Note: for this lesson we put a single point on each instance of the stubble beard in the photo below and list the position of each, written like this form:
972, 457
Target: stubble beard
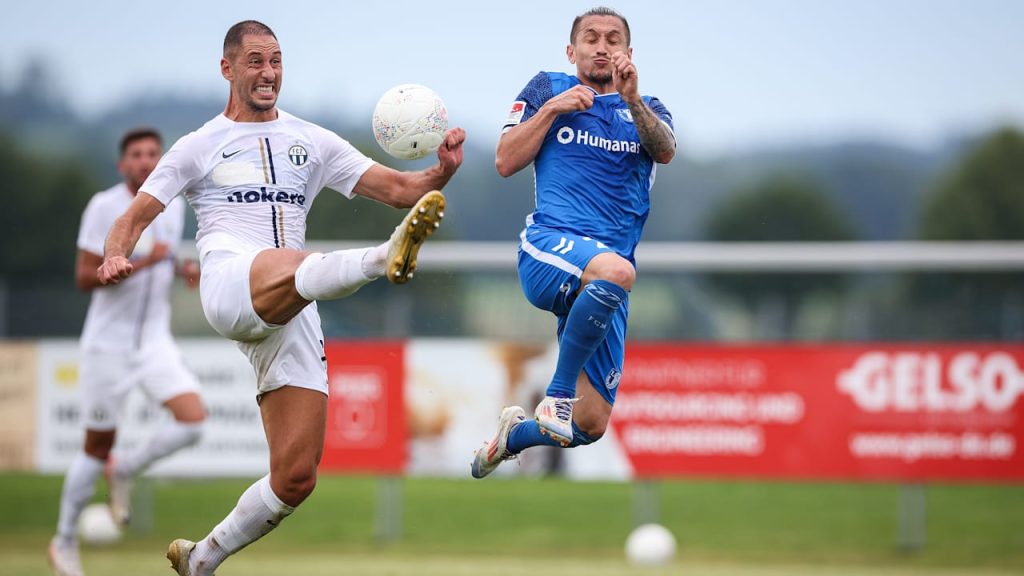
257, 106
600, 78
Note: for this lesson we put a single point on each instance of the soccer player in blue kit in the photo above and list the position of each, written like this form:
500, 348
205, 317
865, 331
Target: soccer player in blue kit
593, 141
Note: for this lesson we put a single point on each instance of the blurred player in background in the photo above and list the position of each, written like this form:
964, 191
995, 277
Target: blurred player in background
593, 141
251, 174
126, 342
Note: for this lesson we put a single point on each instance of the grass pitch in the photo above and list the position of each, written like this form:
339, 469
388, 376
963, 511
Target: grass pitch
456, 527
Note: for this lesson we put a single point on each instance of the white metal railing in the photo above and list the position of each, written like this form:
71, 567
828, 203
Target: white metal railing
746, 256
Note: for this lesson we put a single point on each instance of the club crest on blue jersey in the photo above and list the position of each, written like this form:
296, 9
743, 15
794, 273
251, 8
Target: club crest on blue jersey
298, 155
625, 114
611, 381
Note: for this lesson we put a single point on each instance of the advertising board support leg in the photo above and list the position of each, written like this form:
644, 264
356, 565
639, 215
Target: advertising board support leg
912, 518
388, 509
143, 506
646, 502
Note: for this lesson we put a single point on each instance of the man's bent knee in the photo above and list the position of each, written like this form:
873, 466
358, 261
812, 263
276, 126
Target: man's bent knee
581, 437
99, 443
272, 285
187, 408
612, 268
591, 425
623, 276
293, 486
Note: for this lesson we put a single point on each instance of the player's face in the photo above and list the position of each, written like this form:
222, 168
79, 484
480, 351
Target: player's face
138, 161
597, 38
256, 73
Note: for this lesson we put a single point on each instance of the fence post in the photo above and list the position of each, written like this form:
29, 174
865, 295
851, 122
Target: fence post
912, 518
646, 502
388, 509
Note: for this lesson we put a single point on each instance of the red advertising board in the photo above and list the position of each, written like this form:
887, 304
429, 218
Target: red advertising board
366, 429
859, 412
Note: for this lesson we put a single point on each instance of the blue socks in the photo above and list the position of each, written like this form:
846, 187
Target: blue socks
585, 328
527, 434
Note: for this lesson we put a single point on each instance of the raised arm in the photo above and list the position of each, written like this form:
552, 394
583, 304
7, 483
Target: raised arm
519, 145
402, 189
655, 136
123, 235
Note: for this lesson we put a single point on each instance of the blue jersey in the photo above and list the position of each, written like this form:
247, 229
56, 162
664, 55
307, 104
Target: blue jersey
592, 175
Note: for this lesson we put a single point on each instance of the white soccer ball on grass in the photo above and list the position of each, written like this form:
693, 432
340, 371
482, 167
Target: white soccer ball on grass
650, 545
96, 525
409, 121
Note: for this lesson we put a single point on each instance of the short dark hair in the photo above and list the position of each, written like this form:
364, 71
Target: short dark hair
233, 39
136, 134
599, 11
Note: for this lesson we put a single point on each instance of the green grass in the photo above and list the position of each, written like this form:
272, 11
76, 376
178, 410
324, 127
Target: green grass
451, 526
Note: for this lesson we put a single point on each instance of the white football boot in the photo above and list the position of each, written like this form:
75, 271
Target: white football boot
119, 495
64, 559
491, 454
554, 416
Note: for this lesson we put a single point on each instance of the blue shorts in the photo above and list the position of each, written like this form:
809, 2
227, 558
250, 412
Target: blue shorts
551, 264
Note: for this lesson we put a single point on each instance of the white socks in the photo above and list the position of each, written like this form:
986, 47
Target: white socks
258, 512
79, 486
340, 273
172, 437
375, 263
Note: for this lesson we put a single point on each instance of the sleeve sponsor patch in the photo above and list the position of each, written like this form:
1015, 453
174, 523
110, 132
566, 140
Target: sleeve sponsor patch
515, 115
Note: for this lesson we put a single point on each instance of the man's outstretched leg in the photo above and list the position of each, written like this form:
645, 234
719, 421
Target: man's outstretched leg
283, 282
294, 420
182, 431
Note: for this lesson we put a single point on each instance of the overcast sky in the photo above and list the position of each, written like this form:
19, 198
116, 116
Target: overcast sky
735, 73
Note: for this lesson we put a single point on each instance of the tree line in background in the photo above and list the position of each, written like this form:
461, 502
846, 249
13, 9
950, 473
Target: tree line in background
53, 161
980, 198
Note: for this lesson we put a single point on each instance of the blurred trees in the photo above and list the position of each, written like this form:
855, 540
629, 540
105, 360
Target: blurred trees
44, 199
53, 160
781, 208
981, 199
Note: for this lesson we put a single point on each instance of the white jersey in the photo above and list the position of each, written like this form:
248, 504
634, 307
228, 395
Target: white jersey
251, 183
135, 313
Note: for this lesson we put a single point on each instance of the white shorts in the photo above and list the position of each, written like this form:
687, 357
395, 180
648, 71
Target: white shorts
107, 377
282, 355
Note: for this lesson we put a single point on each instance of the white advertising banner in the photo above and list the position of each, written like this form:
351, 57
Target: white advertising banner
455, 390
233, 443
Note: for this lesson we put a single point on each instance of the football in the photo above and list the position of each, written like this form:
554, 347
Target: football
650, 545
409, 121
96, 525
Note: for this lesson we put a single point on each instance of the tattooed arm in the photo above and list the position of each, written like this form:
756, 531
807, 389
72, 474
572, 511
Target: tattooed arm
655, 136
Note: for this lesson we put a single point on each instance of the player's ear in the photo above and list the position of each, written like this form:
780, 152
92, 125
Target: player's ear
225, 69
571, 54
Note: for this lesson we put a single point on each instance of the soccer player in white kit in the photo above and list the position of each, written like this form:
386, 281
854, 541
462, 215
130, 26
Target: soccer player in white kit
126, 341
251, 174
